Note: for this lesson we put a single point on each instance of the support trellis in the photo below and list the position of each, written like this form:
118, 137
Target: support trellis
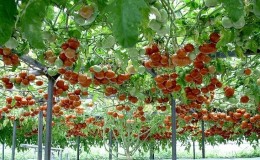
174, 133
116, 150
173, 120
203, 139
40, 131
193, 147
14, 140
59, 150
51, 80
152, 152
110, 145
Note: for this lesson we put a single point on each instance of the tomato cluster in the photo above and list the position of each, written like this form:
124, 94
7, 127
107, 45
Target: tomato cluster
9, 58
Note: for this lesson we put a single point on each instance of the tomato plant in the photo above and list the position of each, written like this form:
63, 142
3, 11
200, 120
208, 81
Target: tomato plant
118, 64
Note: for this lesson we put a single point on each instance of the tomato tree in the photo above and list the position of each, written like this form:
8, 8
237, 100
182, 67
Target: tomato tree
120, 66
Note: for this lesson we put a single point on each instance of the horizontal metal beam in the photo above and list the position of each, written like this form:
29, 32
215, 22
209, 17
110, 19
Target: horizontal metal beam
152, 72
36, 146
233, 54
33, 62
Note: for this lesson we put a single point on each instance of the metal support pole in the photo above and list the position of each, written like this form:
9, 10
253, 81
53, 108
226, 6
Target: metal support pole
3, 151
51, 82
116, 150
60, 155
78, 145
174, 140
40, 128
203, 139
194, 156
14, 140
152, 152
110, 145
67, 156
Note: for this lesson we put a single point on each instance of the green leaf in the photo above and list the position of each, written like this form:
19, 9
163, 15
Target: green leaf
220, 67
14, 68
239, 52
126, 17
61, 3
256, 8
252, 45
78, 65
249, 29
227, 36
75, 33
8, 12
234, 8
31, 22
101, 4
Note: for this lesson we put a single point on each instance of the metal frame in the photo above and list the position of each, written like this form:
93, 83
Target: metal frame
194, 154
174, 133
110, 145
59, 150
203, 139
152, 152
3, 151
116, 150
51, 82
78, 146
40, 131
173, 114
14, 140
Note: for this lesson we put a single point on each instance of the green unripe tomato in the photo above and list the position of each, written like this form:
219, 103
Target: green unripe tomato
11, 43
258, 82
240, 23
226, 22
133, 53
192, 55
155, 25
233, 100
108, 42
79, 20
164, 30
58, 63
52, 71
105, 68
164, 16
141, 69
97, 68
156, 12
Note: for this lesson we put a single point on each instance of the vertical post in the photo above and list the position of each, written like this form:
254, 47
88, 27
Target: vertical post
203, 139
40, 128
67, 156
60, 154
110, 145
51, 82
78, 144
152, 152
3, 151
116, 150
174, 141
14, 140
194, 156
